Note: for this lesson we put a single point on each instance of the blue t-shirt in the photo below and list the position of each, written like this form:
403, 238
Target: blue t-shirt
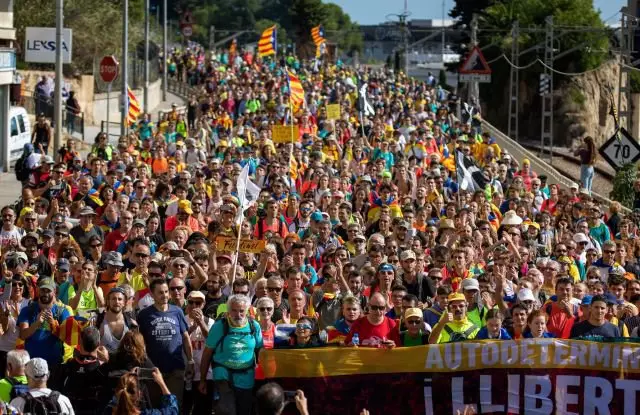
43, 343
237, 351
162, 332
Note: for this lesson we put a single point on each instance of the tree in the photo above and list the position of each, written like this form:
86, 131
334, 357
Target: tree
306, 14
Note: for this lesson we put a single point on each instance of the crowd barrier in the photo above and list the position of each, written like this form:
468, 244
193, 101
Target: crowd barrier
532, 376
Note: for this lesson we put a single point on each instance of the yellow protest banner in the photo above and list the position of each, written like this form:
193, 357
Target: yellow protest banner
228, 244
333, 112
282, 133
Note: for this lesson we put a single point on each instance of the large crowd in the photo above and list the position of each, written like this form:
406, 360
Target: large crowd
120, 297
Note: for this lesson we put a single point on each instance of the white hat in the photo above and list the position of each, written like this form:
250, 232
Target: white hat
580, 237
574, 186
526, 294
470, 284
511, 218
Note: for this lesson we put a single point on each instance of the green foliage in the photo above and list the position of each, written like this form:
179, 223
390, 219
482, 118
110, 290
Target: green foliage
634, 80
577, 96
623, 185
97, 27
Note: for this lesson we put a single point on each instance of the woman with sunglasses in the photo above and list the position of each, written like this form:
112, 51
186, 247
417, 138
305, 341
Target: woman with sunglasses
12, 301
304, 335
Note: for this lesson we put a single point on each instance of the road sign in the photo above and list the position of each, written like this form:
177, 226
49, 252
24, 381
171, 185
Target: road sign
620, 149
475, 77
545, 84
108, 69
475, 63
187, 31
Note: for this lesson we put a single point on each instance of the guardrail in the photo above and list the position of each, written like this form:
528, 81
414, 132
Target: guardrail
73, 123
537, 164
181, 89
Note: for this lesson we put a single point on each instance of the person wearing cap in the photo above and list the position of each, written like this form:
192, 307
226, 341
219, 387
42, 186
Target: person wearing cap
596, 326
108, 278
37, 372
39, 322
38, 264
83, 231
414, 279
199, 327
454, 325
415, 334
183, 218
476, 310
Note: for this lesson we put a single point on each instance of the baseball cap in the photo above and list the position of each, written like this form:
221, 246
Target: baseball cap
580, 237
413, 312
574, 186
526, 294
196, 294
456, 297
113, 258
612, 299
63, 264
385, 267
586, 300
470, 284
36, 368
403, 224
139, 222
15, 255
224, 256
317, 216
408, 254
87, 211
185, 206
48, 233
46, 283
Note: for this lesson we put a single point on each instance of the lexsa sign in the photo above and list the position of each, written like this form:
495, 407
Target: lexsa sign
41, 45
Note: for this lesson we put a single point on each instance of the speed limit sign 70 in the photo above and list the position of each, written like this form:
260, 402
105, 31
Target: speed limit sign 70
620, 149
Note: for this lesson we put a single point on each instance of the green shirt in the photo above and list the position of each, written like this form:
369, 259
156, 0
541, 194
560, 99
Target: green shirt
6, 387
408, 340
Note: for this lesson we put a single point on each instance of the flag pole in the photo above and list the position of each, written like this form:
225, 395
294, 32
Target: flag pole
455, 163
235, 260
362, 124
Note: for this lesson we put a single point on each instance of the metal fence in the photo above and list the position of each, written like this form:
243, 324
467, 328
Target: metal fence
72, 123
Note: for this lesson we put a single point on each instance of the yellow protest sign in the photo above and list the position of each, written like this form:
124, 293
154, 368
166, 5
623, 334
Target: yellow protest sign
333, 112
227, 244
282, 133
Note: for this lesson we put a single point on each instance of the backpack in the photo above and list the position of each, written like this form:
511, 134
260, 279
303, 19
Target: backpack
455, 336
42, 405
17, 388
225, 332
261, 227
22, 172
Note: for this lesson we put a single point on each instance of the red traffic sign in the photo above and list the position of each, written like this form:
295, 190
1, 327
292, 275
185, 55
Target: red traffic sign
475, 63
108, 69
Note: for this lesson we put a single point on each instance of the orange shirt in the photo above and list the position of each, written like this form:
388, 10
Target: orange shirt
159, 166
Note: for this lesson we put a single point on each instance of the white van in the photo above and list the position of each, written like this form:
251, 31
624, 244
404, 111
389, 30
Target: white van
19, 131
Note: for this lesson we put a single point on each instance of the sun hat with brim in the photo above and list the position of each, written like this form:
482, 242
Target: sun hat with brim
511, 219
196, 294
413, 312
30, 235
446, 224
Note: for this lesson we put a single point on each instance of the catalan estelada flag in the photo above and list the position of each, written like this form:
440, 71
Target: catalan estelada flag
317, 34
296, 93
70, 330
134, 107
267, 44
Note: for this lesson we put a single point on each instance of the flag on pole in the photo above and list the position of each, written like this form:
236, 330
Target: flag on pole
267, 44
363, 103
470, 177
248, 192
296, 92
134, 106
317, 34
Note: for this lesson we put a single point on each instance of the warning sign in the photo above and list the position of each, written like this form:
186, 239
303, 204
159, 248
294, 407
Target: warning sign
475, 63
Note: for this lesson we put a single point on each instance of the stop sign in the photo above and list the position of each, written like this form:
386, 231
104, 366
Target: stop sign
108, 69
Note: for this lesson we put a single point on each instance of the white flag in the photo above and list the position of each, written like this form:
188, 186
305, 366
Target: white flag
248, 192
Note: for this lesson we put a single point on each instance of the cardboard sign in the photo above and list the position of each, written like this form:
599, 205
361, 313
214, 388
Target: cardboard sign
333, 112
282, 134
227, 244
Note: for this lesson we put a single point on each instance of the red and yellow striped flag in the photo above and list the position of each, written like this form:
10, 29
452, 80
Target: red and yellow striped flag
317, 34
134, 107
70, 330
232, 51
296, 92
267, 43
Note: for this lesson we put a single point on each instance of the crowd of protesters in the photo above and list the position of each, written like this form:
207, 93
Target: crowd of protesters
371, 240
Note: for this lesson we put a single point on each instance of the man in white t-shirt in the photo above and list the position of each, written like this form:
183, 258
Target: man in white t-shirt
10, 234
37, 372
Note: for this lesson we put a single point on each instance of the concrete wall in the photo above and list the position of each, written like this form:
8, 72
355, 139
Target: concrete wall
100, 102
82, 86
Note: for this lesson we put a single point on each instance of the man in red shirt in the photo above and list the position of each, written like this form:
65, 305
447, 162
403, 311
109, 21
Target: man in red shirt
375, 329
115, 238
562, 312
183, 218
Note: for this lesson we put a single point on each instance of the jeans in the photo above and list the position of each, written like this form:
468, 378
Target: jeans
586, 176
233, 401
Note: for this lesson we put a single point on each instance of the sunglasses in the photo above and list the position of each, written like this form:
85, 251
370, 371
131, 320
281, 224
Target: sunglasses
142, 255
61, 234
196, 303
17, 284
176, 288
263, 309
303, 326
96, 245
414, 322
274, 289
241, 293
377, 307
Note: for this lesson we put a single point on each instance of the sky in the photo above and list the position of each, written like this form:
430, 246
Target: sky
375, 11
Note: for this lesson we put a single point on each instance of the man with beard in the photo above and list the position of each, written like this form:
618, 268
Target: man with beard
114, 322
10, 234
232, 346
38, 264
454, 325
214, 296
83, 232
40, 320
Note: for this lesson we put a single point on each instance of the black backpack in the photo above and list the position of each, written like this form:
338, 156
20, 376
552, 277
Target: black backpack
22, 172
17, 388
42, 405
225, 331
455, 336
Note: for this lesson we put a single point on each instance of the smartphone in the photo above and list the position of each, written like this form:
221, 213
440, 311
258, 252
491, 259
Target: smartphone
176, 253
290, 396
145, 374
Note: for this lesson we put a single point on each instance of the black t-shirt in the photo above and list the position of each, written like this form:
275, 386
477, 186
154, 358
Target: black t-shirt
277, 313
428, 289
42, 265
585, 329
81, 381
211, 305
82, 237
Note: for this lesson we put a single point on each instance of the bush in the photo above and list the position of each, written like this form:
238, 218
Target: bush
623, 185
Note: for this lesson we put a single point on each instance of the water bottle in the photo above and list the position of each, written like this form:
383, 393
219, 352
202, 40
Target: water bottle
355, 339
188, 384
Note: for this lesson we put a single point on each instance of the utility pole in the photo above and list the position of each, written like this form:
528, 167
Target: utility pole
125, 68
57, 102
146, 56
546, 132
473, 86
627, 23
514, 82
212, 37
165, 51
444, 45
